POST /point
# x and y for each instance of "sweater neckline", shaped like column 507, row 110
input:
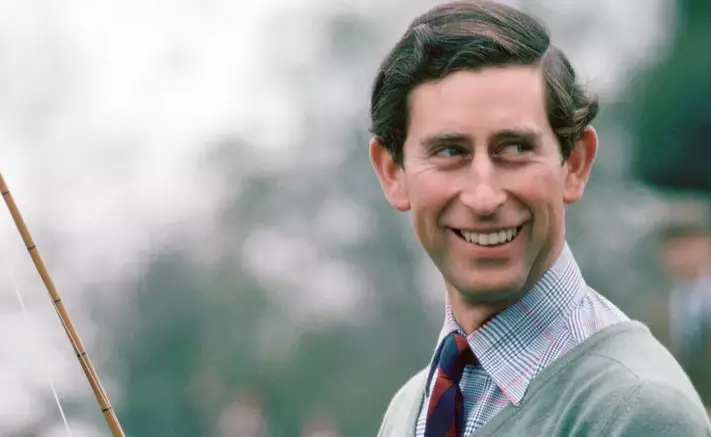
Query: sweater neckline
column 541, row 380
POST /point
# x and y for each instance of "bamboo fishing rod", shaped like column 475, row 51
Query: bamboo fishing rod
column 74, row 339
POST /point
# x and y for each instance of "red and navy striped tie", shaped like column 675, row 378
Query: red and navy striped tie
column 445, row 415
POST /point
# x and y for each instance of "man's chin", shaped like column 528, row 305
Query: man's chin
column 488, row 293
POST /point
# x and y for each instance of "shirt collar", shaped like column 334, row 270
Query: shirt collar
column 507, row 346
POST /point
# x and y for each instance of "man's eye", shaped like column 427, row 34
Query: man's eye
column 517, row 149
column 450, row 151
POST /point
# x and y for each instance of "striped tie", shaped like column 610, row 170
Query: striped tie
column 445, row 416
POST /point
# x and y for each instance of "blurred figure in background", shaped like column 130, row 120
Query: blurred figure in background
column 320, row 426
column 686, row 256
column 244, row 416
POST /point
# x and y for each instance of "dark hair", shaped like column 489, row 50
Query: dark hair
column 470, row 35
column 675, row 231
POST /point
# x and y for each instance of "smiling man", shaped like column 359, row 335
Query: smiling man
column 483, row 134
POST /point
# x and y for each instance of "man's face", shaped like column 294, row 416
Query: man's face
column 688, row 257
column 484, row 179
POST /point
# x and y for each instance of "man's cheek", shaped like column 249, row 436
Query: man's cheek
column 538, row 191
column 430, row 195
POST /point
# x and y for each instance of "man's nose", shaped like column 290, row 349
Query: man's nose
column 482, row 191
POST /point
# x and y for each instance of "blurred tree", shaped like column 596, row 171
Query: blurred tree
column 670, row 119
column 192, row 337
column 196, row 326
column 671, row 111
column 181, row 347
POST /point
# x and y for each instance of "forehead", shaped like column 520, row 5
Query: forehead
column 480, row 102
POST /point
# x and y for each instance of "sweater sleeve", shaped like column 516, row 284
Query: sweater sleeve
column 658, row 410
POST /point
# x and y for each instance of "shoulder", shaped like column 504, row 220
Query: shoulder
column 659, row 409
column 640, row 388
column 404, row 402
column 630, row 353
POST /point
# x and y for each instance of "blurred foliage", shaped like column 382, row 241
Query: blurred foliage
column 191, row 340
column 670, row 113
column 196, row 322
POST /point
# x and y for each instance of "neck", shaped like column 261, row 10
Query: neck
column 472, row 315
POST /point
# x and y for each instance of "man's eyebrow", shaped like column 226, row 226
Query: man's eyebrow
column 528, row 135
column 446, row 137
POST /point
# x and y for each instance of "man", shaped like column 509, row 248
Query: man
column 482, row 133
column 686, row 255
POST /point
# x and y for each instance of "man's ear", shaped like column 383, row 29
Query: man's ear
column 391, row 175
column 579, row 165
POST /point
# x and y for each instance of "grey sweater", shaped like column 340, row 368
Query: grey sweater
column 619, row 382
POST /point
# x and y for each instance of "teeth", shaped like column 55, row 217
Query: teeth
column 490, row 239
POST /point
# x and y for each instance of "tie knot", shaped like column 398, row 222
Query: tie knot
column 455, row 356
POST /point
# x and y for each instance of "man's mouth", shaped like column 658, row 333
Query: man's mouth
column 497, row 238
